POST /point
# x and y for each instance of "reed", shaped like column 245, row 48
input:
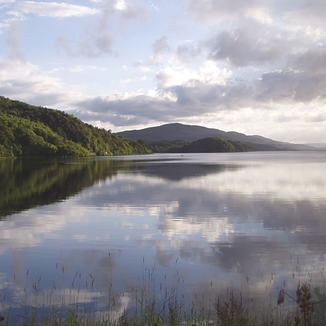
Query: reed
column 159, row 304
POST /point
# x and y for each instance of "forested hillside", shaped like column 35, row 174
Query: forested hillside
column 205, row 145
column 27, row 130
column 170, row 133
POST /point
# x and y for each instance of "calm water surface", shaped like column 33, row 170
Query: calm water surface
column 81, row 232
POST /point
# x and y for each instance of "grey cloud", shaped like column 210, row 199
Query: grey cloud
column 210, row 9
column 93, row 44
column 190, row 100
column 318, row 118
column 291, row 86
column 312, row 61
column 125, row 112
column 305, row 16
column 161, row 45
column 161, row 48
column 194, row 100
column 188, row 51
column 104, row 43
column 14, row 40
column 286, row 86
column 242, row 47
column 98, row 38
column 311, row 11
column 307, row 12
column 297, row 77
column 201, row 96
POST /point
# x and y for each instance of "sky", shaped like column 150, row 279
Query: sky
column 252, row 66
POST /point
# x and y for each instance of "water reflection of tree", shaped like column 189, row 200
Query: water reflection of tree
column 28, row 183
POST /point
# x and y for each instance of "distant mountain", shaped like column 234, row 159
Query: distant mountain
column 27, row 130
column 321, row 146
column 188, row 133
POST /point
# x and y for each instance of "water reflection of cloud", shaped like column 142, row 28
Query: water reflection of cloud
column 210, row 229
column 282, row 181
column 176, row 201
column 240, row 220
column 251, row 221
column 31, row 228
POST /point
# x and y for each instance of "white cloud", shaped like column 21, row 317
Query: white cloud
column 161, row 49
column 56, row 9
column 82, row 68
column 28, row 82
column 120, row 5
column 262, row 15
column 212, row 230
column 208, row 73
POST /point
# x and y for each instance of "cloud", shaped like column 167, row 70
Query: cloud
column 312, row 61
column 25, row 81
column 188, row 51
column 129, row 9
column 182, row 93
column 212, row 9
column 243, row 47
column 98, row 38
column 161, row 49
column 273, row 70
column 82, row 68
column 254, row 59
column 208, row 73
column 309, row 14
column 55, row 9
column 95, row 42
column 291, row 86
column 167, row 105
column 128, row 111
column 14, row 40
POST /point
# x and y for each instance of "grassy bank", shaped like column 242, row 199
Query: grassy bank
column 306, row 307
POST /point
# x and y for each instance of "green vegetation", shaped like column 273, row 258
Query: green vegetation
column 205, row 145
column 27, row 130
column 167, row 146
column 173, row 132
column 214, row 145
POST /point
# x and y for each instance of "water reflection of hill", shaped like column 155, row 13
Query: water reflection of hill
column 28, row 183
column 179, row 171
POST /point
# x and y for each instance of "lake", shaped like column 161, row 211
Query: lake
column 96, row 234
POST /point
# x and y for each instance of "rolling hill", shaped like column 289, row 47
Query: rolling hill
column 177, row 132
column 27, row 130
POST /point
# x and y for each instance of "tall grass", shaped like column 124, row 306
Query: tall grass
column 160, row 304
